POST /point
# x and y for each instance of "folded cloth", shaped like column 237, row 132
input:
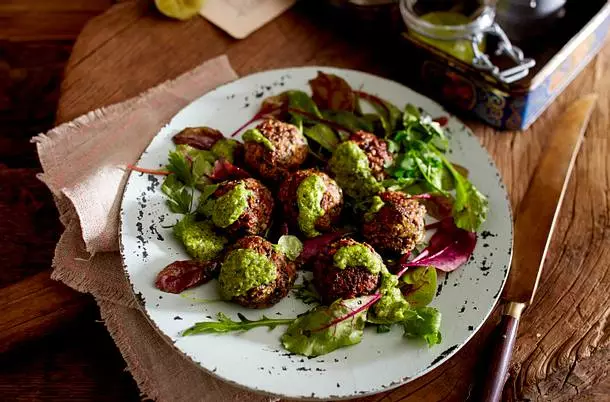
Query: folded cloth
column 83, row 163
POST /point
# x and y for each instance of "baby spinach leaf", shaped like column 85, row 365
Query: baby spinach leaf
column 418, row 285
column 425, row 324
column 225, row 324
column 326, row 328
column 348, row 120
column 323, row 135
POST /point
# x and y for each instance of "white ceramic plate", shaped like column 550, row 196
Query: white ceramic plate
column 256, row 359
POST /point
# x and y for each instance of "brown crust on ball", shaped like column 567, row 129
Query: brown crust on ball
column 255, row 220
column 333, row 283
column 376, row 151
column 398, row 226
column 290, row 150
column 332, row 201
column 267, row 295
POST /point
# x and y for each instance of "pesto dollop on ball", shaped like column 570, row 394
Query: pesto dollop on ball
column 358, row 164
column 274, row 148
column 239, row 207
column 347, row 269
column 311, row 201
column 255, row 274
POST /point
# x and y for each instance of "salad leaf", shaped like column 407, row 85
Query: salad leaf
column 225, row 324
column 383, row 328
column 181, row 275
column 425, row 323
column 470, row 207
column 326, row 328
column 180, row 165
column 225, row 170
column 389, row 114
column 290, row 246
column 418, row 127
column 301, row 101
column 331, row 92
column 323, row 135
column 449, row 248
column 198, row 137
column 306, row 292
column 418, row 285
column 314, row 246
column 348, row 121
column 201, row 164
column 179, row 197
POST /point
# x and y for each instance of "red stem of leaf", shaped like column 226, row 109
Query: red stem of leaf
column 149, row 171
column 373, row 98
column 256, row 117
column 352, row 313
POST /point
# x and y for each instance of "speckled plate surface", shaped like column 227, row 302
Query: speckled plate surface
column 256, row 359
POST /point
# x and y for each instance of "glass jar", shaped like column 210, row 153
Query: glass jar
column 460, row 29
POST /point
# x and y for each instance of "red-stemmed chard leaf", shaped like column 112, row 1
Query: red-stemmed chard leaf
column 448, row 249
column 198, row 137
column 367, row 302
column 225, row 170
column 181, row 275
column 331, row 92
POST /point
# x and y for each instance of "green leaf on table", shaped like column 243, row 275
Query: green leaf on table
column 326, row 328
column 424, row 324
column 225, row 324
column 290, row 246
column 323, row 135
column 179, row 196
column 418, row 285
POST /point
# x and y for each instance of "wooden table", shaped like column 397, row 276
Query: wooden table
column 563, row 351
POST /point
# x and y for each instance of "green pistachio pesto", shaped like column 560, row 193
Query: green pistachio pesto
column 376, row 204
column 199, row 238
column 225, row 148
column 226, row 209
column 352, row 171
column 392, row 307
column 244, row 269
column 358, row 255
column 256, row 136
column 309, row 199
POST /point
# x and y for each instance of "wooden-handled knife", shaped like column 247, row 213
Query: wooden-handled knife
column 534, row 224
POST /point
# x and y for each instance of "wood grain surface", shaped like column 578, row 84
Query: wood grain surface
column 563, row 347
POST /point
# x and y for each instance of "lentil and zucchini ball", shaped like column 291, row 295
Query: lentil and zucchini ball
column 254, row 274
column 274, row 148
column 337, row 275
column 376, row 150
column 395, row 224
column 311, row 201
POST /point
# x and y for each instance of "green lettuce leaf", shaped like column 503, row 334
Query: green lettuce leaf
column 418, row 286
column 324, row 329
column 424, row 324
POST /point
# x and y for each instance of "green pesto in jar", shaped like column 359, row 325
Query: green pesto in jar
column 309, row 199
column 352, row 171
column 225, row 148
column 358, row 255
column 199, row 238
column 255, row 135
column 227, row 209
column 244, row 269
column 376, row 204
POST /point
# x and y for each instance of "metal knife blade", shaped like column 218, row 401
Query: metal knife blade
column 538, row 212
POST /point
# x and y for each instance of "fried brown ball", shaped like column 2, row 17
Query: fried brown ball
column 236, row 267
column 376, row 150
column 254, row 218
column 397, row 226
column 298, row 214
column 282, row 148
column 334, row 283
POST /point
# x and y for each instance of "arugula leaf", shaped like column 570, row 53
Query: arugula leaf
column 326, row 328
column 331, row 92
column 323, row 135
column 181, row 167
column 290, row 246
column 470, row 207
column 225, row 324
column 425, row 323
column 179, row 197
column 418, row 285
